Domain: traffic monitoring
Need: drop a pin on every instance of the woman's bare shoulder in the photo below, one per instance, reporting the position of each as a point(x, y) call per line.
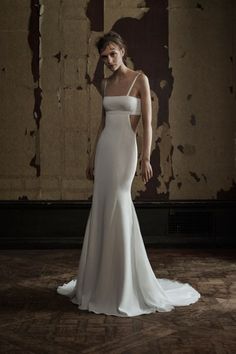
point(142, 78)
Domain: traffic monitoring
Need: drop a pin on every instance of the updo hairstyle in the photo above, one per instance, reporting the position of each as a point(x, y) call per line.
point(112, 37)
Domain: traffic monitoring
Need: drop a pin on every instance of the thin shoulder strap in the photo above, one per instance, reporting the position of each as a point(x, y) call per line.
point(133, 84)
point(105, 85)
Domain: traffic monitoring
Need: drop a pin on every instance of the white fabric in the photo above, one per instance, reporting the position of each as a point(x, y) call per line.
point(114, 275)
point(122, 105)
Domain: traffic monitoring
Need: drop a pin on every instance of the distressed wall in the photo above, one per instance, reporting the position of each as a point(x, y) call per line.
point(202, 104)
point(17, 90)
point(50, 105)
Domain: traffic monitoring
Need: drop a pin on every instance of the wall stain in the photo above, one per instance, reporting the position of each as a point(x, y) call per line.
point(33, 38)
point(227, 195)
point(193, 119)
point(181, 148)
point(23, 197)
point(187, 149)
point(189, 96)
point(205, 178)
point(88, 79)
point(58, 56)
point(195, 176)
point(199, 6)
point(95, 13)
point(34, 44)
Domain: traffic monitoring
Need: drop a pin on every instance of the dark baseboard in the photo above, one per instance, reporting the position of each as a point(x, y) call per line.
point(61, 224)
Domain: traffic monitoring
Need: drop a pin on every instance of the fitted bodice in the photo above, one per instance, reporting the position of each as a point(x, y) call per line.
point(129, 104)
point(125, 104)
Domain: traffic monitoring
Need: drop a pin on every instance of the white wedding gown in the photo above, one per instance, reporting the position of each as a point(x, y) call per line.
point(114, 275)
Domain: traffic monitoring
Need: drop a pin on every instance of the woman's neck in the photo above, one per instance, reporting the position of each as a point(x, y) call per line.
point(121, 72)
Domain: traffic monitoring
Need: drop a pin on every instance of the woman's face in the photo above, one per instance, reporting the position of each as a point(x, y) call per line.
point(112, 56)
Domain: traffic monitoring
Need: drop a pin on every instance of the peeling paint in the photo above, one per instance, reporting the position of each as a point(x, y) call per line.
point(37, 105)
point(199, 6)
point(197, 134)
point(195, 176)
point(187, 149)
point(203, 93)
point(230, 194)
point(33, 38)
point(189, 97)
point(205, 178)
point(95, 13)
point(180, 148)
point(34, 43)
point(32, 133)
point(59, 98)
point(23, 197)
point(88, 78)
point(58, 56)
point(193, 119)
point(34, 163)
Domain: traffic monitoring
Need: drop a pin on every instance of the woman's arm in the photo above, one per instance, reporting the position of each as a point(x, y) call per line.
point(90, 167)
point(100, 128)
point(146, 108)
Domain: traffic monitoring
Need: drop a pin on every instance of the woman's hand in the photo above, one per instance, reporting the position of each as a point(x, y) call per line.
point(146, 170)
point(90, 170)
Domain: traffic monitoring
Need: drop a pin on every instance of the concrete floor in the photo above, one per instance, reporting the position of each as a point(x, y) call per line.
point(35, 319)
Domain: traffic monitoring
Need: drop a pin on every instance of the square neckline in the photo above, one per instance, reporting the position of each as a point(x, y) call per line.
point(127, 95)
point(138, 98)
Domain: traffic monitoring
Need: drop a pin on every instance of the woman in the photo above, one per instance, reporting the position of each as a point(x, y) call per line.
point(114, 275)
